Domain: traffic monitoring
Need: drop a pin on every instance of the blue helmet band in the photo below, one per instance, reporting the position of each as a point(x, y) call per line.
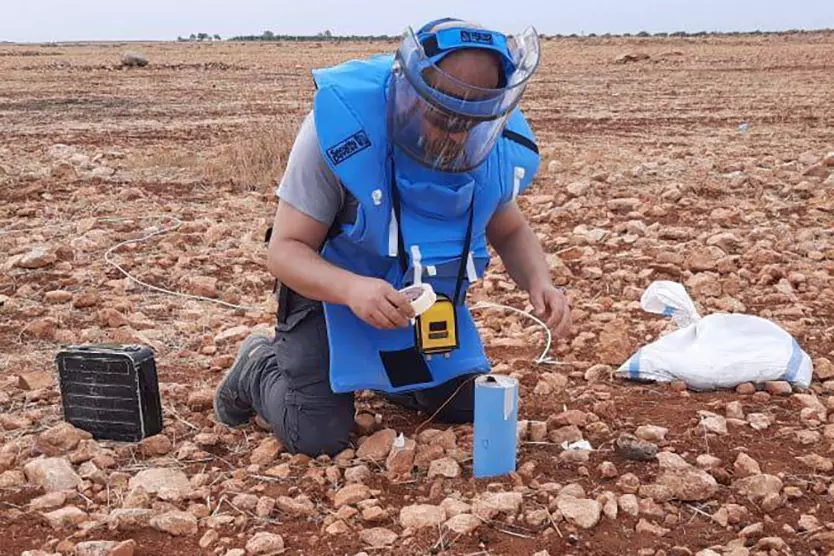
point(440, 43)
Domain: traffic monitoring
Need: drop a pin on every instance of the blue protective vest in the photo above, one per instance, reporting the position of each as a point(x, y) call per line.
point(350, 116)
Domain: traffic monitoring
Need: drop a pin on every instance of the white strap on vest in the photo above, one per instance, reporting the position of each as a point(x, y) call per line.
point(518, 175)
point(416, 256)
point(392, 235)
point(471, 275)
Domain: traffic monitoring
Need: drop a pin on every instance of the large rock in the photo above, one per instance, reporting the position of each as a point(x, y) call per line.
point(134, 59)
point(12, 478)
point(582, 512)
point(52, 474)
point(175, 523)
point(746, 466)
point(264, 543)
point(158, 478)
point(301, 505)
point(689, 485)
point(420, 516)
point(377, 446)
point(455, 507)
point(712, 422)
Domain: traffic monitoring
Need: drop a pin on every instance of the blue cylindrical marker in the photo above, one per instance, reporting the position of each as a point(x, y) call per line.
point(496, 424)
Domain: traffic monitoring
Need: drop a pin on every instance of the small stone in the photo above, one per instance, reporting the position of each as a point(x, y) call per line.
point(244, 501)
point(578, 188)
point(267, 451)
point(300, 505)
point(11, 479)
point(745, 466)
point(707, 461)
point(808, 523)
point(608, 470)
point(598, 372)
point(338, 527)
point(772, 502)
point(200, 400)
point(567, 434)
point(52, 474)
point(735, 410)
point(130, 519)
point(778, 388)
point(374, 514)
point(538, 431)
point(817, 463)
point(155, 479)
point(689, 484)
point(38, 257)
point(670, 460)
point(754, 530)
point(772, 543)
point(658, 493)
point(629, 483)
point(758, 486)
point(175, 523)
point(351, 494)
point(455, 507)
point(746, 388)
point(377, 446)
point(759, 421)
point(651, 433)
point(644, 526)
point(629, 504)
point(35, 380)
point(419, 516)
point(48, 501)
point(264, 543)
point(490, 504)
point(631, 447)
point(209, 538)
point(66, 517)
point(463, 524)
point(582, 512)
point(400, 460)
point(60, 439)
point(156, 445)
point(712, 422)
point(445, 467)
point(378, 537)
point(357, 474)
point(96, 548)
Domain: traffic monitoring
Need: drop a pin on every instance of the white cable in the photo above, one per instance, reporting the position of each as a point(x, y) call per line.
point(543, 358)
point(162, 290)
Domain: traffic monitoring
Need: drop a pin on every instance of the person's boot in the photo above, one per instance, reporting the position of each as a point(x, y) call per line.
point(230, 408)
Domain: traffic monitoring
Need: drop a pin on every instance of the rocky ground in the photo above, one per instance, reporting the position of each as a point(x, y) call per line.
point(706, 161)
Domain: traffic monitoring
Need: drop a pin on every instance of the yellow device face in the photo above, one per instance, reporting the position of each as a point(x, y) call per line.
point(437, 328)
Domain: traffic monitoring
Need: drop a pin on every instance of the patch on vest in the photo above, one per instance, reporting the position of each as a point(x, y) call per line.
point(347, 148)
point(476, 36)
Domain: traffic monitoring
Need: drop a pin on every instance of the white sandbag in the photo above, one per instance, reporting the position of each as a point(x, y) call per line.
point(717, 351)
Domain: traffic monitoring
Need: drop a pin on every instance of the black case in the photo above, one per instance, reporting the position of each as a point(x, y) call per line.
point(111, 391)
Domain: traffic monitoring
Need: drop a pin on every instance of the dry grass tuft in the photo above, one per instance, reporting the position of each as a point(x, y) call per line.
point(256, 162)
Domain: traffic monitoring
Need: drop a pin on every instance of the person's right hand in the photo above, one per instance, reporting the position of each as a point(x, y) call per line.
point(376, 302)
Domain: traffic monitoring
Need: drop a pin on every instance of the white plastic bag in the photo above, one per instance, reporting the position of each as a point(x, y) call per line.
point(717, 351)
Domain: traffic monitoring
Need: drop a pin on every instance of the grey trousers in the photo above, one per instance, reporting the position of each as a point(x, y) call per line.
point(291, 387)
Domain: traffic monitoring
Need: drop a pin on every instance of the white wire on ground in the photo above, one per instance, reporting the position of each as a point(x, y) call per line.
point(543, 358)
point(162, 290)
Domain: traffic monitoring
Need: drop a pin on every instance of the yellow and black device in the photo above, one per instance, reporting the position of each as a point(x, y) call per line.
point(437, 328)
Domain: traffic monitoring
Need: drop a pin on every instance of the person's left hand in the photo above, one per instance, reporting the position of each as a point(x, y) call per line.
point(551, 305)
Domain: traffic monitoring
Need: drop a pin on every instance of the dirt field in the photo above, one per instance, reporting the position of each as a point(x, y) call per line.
point(708, 163)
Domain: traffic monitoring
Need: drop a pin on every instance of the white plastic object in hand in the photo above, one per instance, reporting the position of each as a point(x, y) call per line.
point(420, 297)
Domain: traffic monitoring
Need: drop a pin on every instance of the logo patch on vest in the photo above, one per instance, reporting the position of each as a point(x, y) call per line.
point(347, 148)
point(476, 36)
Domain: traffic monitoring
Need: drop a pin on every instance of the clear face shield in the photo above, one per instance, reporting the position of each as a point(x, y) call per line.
point(442, 122)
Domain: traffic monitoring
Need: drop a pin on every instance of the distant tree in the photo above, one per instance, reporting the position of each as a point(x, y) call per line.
point(203, 36)
point(193, 37)
point(269, 35)
point(217, 37)
point(643, 34)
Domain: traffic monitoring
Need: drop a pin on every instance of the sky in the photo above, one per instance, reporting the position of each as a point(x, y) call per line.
point(70, 20)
